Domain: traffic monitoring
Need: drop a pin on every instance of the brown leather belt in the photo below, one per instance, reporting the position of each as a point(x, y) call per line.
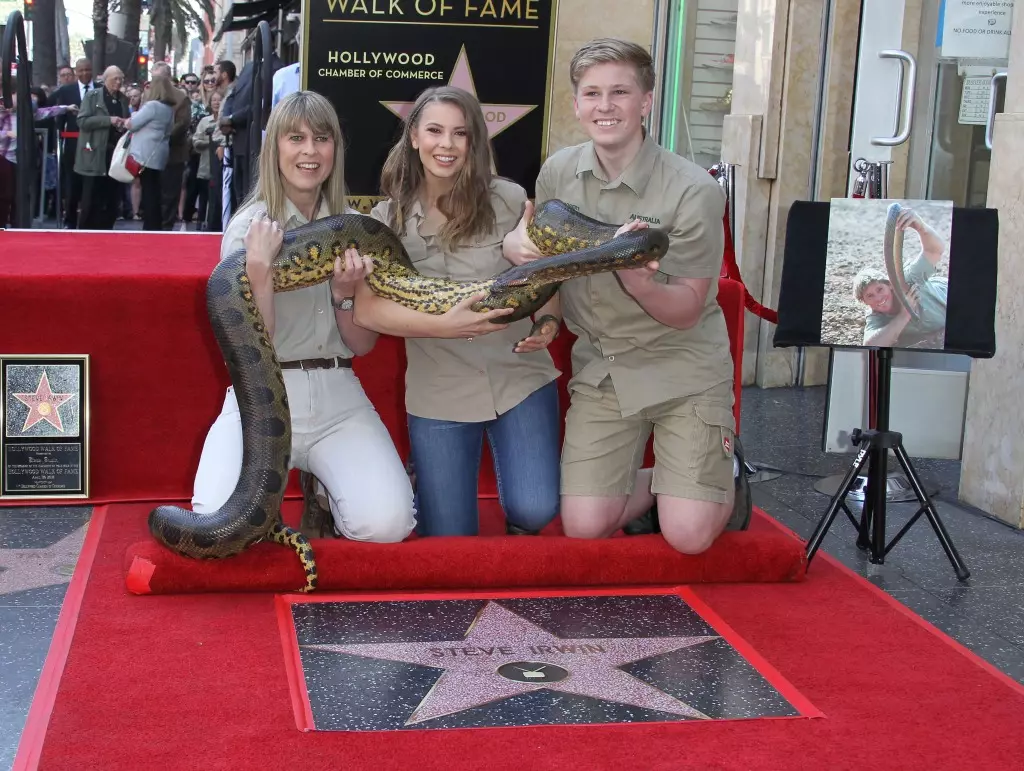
point(332, 363)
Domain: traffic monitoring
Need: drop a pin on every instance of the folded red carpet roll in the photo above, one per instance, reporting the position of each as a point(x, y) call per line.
point(483, 562)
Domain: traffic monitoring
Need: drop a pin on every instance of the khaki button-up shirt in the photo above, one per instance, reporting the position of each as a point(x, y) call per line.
point(648, 362)
point(305, 326)
point(462, 380)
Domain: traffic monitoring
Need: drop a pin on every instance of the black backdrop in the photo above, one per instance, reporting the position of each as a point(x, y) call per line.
point(508, 54)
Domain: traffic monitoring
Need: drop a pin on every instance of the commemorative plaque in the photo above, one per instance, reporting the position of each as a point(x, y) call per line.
point(372, 58)
point(44, 439)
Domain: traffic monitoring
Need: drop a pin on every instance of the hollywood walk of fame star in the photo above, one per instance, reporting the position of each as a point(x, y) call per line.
point(22, 569)
point(43, 405)
point(497, 116)
point(500, 637)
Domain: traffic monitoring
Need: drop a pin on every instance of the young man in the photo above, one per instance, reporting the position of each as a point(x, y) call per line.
point(652, 348)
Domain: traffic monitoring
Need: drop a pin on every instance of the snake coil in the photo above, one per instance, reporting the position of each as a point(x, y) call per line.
point(573, 245)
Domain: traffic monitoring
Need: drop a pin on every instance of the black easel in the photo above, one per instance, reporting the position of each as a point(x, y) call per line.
point(874, 448)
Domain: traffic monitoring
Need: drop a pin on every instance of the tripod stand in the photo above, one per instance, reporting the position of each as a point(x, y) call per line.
point(874, 448)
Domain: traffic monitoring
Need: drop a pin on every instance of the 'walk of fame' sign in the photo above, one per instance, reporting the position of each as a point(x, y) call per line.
point(44, 438)
point(417, 664)
point(372, 58)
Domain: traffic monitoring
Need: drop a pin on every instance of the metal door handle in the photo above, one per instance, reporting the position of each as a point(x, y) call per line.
point(905, 89)
point(990, 121)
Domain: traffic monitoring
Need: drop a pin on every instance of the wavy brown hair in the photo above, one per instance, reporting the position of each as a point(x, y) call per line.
point(467, 207)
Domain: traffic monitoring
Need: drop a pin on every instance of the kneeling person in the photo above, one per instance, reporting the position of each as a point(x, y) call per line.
point(653, 350)
point(337, 435)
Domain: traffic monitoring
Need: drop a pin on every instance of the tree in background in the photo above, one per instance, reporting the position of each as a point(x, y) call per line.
point(173, 20)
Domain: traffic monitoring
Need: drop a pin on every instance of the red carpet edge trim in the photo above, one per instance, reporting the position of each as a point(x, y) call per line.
point(774, 677)
point(31, 744)
point(293, 665)
point(302, 709)
point(881, 594)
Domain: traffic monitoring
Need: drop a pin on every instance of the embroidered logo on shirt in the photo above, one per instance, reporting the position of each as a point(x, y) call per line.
point(645, 218)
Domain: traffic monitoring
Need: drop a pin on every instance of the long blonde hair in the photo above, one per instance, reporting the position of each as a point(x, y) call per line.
point(467, 207)
point(289, 115)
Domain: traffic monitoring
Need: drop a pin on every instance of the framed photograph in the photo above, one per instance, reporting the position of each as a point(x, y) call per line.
point(44, 439)
point(887, 273)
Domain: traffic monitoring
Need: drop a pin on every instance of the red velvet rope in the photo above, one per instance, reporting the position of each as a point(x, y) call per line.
point(731, 270)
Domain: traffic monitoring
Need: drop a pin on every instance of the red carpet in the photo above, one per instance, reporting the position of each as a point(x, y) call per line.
point(491, 561)
point(199, 682)
point(135, 302)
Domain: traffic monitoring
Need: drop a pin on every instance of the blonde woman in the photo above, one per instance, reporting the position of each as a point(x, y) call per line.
point(337, 435)
point(467, 377)
point(150, 128)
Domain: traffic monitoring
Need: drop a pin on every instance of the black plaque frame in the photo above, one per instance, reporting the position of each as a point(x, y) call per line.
point(20, 447)
point(511, 61)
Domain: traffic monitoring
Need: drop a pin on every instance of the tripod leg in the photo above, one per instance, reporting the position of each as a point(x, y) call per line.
point(877, 484)
point(837, 501)
point(962, 573)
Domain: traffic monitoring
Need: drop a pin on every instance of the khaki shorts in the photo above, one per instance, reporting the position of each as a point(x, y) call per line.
point(693, 445)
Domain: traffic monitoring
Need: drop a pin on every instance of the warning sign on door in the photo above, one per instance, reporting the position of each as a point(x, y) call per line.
point(977, 29)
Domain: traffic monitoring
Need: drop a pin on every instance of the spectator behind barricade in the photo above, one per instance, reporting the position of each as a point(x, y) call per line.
point(195, 192)
point(172, 179)
point(225, 74)
point(71, 182)
point(469, 375)
point(101, 122)
point(131, 192)
point(288, 80)
point(65, 76)
point(208, 142)
point(9, 151)
point(236, 115)
point(151, 129)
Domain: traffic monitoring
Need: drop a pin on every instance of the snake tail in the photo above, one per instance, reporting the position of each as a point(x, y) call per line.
point(892, 249)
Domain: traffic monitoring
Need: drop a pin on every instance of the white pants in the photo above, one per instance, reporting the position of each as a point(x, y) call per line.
point(337, 436)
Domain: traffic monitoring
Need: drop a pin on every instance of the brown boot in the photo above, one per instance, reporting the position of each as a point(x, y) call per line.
point(317, 521)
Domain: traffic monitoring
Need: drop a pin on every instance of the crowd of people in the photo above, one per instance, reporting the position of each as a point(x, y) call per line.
point(184, 149)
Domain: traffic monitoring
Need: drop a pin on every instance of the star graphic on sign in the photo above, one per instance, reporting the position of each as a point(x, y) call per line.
point(43, 405)
point(497, 116)
point(531, 659)
point(22, 569)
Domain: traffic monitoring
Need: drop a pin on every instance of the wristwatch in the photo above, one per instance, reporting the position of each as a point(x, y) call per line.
point(345, 304)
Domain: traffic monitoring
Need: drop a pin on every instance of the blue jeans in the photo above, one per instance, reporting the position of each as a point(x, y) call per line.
point(524, 444)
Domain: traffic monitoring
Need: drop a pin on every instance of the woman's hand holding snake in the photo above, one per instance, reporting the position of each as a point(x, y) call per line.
point(262, 243)
point(349, 270)
point(463, 321)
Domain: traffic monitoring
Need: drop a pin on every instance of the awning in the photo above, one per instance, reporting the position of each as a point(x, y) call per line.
point(246, 14)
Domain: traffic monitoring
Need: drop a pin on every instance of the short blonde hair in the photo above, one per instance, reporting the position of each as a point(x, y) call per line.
point(613, 50)
point(865, 278)
point(289, 114)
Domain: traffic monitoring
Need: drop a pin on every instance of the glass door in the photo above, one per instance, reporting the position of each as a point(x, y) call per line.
point(927, 108)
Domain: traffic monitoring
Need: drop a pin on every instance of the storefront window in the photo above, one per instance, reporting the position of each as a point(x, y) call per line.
point(699, 53)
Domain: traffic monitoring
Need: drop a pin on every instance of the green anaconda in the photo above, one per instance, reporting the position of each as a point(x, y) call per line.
point(892, 250)
point(573, 246)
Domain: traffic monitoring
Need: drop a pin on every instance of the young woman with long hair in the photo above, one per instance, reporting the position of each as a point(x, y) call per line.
point(337, 436)
point(467, 376)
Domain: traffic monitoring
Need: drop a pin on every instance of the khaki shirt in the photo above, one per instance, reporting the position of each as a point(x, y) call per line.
point(648, 362)
point(304, 323)
point(462, 380)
